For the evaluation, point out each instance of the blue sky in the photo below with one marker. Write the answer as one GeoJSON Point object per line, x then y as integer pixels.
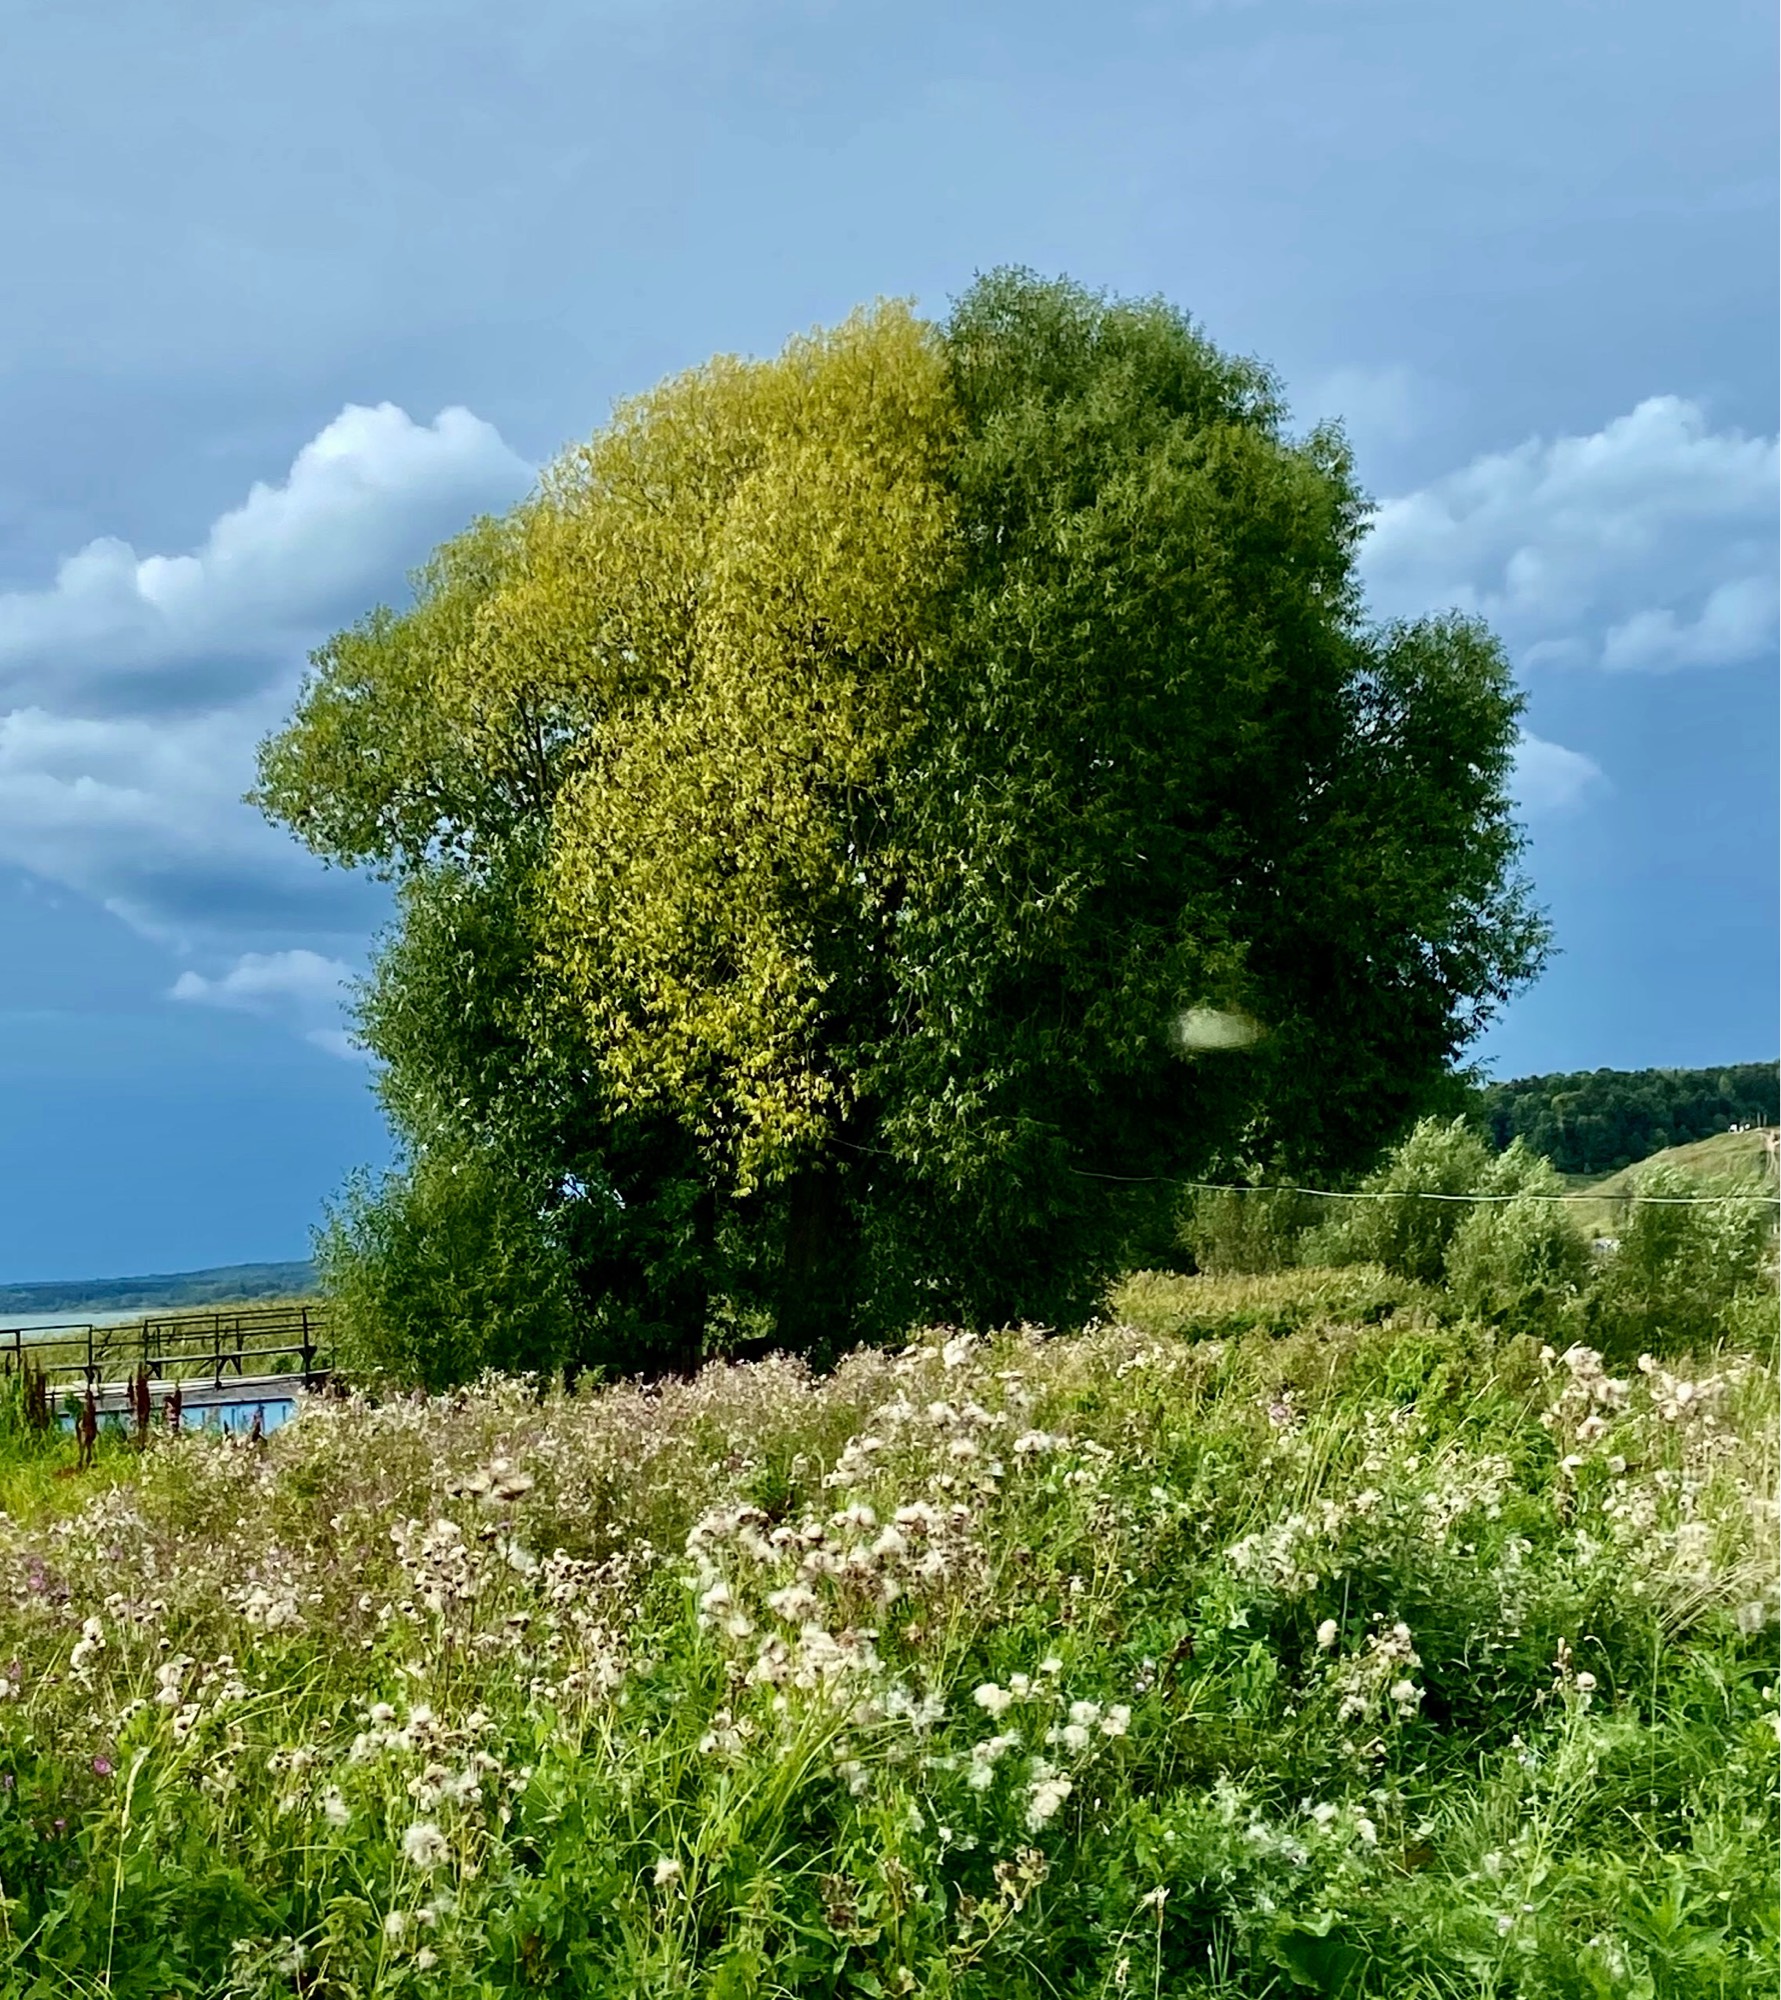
{"type": "Point", "coordinates": [295, 291]}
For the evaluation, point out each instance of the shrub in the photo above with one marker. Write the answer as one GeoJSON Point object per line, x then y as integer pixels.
{"type": "Point", "coordinates": [1408, 1212]}
{"type": "Point", "coordinates": [442, 1270]}
{"type": "Point", "coordinates": [1679, 1267]}
{"type": "Point", "coordinates": [1246, 1229]}
{"type": "Point", "coordinates": [1519, 1263]}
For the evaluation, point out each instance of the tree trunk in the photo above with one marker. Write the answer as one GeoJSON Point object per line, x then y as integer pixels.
{"type": "Point", "coordinates": [816, 1294]}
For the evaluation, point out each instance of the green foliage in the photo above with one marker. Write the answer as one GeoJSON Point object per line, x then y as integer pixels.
{"type": "Point", "coordinates": [1689, 1267]}
{"type": "Point", "coordinates": [480, 1057]}
{"type": "Point", "coordinates": [1680, 1266]}
{"type": "Point", "coordinates": [17, 1429]}
{"type": "Point", "coordinates": [1407, 1213]}
{"type": "Point", "coordinates": [820, 805]}
{"type": "Point", "coordinates": [1174, 1307]}
{"type": "Point", "coordinates": [1380, 1660]}
{"type": "Point", "coordinates": [1522, 1263]}
{"type": "Point", "coordinates": [1157, 604]}
{"type": "Point", "coordinates": [1244, 1229]}
{"type": "Point", "coordinates": [443, 1270]}
{"type": "Point", "coordinates": [1597, 1121]}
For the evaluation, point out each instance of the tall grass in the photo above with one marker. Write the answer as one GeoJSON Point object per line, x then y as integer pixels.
{"type": "Point", "coordinates": [1308, 1643]}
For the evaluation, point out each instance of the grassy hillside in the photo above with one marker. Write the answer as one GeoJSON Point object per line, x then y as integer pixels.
{"type": "Point", "coordinates": [1279, 1640]}
{"type": "Point", "coordinates": [1722, 1161]}
{"type": "Point", "coordinates": [1730, 1160]}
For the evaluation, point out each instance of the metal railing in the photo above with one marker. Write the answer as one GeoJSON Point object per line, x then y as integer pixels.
{"type": "Point", "coordinates": [189, 1347]}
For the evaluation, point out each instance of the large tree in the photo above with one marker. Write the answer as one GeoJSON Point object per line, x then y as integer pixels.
{"type": "Point", "coordinates": [830, 811]}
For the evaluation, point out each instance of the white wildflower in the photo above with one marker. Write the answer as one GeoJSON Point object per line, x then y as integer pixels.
{"type": "Point", "coordinates": [506, 1482]}
{"type": "Point", "coordinates": [424, 1846]}
{"type": "Point", "coordinates": [1044, 1801]}
{"type": "Point", "coordinates": [985, 1756]}
{"type": "Point", "coordinates": [795, 1604]}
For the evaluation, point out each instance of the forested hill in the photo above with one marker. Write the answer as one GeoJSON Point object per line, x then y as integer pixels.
{"type": "Point", "coordinates": [226, 1283]}
{"type": "Point", "coordinates": [1598, 1121]}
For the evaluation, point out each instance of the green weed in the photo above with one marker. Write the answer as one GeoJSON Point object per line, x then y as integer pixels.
{"type": "Point", "coordinates": [1306, 1644]}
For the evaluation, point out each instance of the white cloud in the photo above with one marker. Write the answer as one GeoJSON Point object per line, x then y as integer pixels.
{"type": "Point", "coordinates": [1736, 622]}
{"type": "Point", "coordinates": [299, 987]}
{"type": "Point", "coordinates": [134, 689]}
{"type": "Point", "coordinates": [363, 500]}
{"type": "Point", "coordinates": [1550, 779]}
{"type": "Point", "coordinates": [101, 805]}
{"type": "Point", "coordinates": [1649, 544]}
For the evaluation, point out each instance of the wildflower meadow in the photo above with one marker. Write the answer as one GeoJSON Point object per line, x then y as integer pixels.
{"type": "Point", "coordinates": [1281, 1636]}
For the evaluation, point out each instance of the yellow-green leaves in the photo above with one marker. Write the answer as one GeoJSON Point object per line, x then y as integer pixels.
{"type": "Point", "coordinates": [765, 541]}
{"type": "Point", "coordinates": [683, 669]}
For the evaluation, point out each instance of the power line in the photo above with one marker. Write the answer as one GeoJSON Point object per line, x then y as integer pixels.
{"type": "Point", "coordinates": [1362, 1194]}
{"type": "Point", "coordinates": [1414, 1194]}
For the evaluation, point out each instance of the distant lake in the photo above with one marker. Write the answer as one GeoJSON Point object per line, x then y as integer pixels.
{"type": "Point", "coordinates": [32, 1322]}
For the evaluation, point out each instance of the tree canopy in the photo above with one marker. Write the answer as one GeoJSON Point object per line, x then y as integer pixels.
{"type": "Point", "coordinates": [823, 811]}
